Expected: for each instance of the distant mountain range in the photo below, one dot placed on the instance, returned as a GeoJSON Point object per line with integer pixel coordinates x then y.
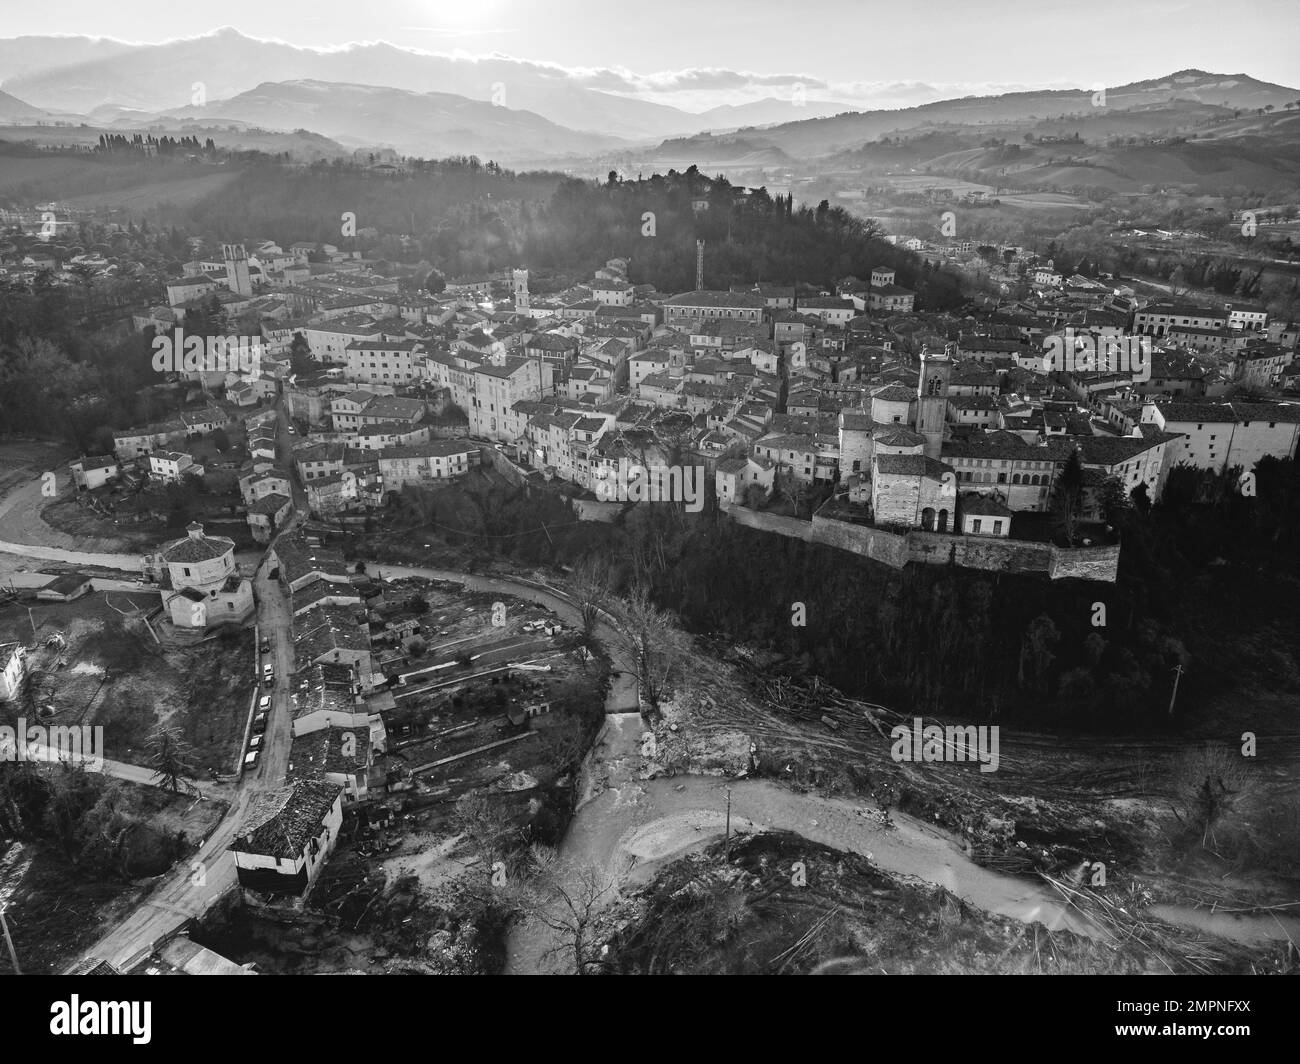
{"type": "Point", "coordinates": [379, 95]}
{"type": "Point", "coordinates": [1195, 89]}
{"type": "Point", "coordinates": [430, 124]}
{"type": "Point", "coordinates": [74, 76]}
{"type": "Point", "coordinates": [15, 111]}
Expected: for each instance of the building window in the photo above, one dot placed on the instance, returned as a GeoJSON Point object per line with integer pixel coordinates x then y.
{"type": "Point", "coordinates": [975, 525]}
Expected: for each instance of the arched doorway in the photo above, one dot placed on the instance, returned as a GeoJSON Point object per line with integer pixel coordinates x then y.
{"type": "Point", "coordinates": [943, 520]}
{"type": "Point", "coordinates": [927, 519]}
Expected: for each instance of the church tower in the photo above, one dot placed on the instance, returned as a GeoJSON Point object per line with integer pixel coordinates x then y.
{"type": "Point", "coordinates": [932, 399]}
{"type": "Point", "coordinates": [238, 279]}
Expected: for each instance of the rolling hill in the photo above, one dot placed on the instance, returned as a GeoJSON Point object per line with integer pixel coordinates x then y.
{"type": "Point", "coordinates": [431, 124]}
{"type": "Point", "coordinates": [15, 110]}
{"type": "Point", "coordinates": [1176, 100]}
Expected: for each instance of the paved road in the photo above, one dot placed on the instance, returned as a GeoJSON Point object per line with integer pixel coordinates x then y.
{"type": "Point", "coordinates": [284, 456]}
{"type": "Point", "coordinates": [185, 893]}
{"type": "Point", "coordinates": [275, 622]}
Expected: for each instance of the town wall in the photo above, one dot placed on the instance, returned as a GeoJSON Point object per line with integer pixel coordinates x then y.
{"type": "Point", "coordinates": [935, 548]}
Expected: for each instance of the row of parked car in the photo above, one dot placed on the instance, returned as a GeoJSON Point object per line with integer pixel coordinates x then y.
{"type": "Point", "coordinates": [263, 713]}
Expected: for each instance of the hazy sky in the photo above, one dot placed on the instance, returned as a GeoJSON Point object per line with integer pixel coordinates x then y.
{"type": "Point", "coordinates": [939, 42]}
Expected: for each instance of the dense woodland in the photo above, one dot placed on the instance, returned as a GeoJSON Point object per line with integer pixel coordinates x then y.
{"type": "Point", "coordinates": [465, 217]}
{"type": "Point", "coordinates": [1208, 579]}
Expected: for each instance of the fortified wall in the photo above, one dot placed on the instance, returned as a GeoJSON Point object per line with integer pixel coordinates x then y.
{"type": "Point", "coordinates": [937, 548]}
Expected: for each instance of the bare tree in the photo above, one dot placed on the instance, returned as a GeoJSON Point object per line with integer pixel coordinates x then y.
{"type": "Point", "coordinates": [567, 899]}
{"type": "Point", "coordinates": [589, 587]}
{"type": "Point", "coordinates": [487, 827]}
{"type": "Point", "coordinates": [651, 645]}
{"type": "Point", "coordinates": [1207, 785]}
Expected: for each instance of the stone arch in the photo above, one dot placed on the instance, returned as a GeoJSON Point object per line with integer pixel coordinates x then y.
{"type": "Point", "coordinates": [927, 519]}
{"type": "Point", "coordinates": [943, 520]}
{"type": "Point", "coordinates": [1015, 478]}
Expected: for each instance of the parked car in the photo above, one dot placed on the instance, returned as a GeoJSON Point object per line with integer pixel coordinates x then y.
{"type": "Point", "coordinates": [264, 704]}
{"type": "Point", "coordinates": [266, 645]}
{"type": "Point", "coordinates": [250, 759]}
{"type": "Point", "coordinates": [259, 723]}
{"type": "Point", "coordinates": [268, 673]}
{"type": "Point", "coordinates": [255, 743]}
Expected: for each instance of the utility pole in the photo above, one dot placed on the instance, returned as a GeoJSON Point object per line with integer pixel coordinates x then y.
{"type": "Point", "coordinates": [728, 835]}
{"type": "Point", "coordinates": [1178, 675]}
{"type": "Point", "coordinates": [4, 924]}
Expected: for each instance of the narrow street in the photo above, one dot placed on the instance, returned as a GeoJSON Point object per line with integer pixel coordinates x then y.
{"type": "Point", "coordinates": [275, 622]}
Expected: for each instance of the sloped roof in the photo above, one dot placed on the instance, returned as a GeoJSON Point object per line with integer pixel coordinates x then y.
{"type": "Point", "coordinates": [916, 465]}
{"type": "Point", "coordinates": [280, 822]}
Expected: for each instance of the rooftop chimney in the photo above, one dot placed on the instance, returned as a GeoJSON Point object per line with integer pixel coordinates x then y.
{"type": "Point", "coordinates": [194, 530]}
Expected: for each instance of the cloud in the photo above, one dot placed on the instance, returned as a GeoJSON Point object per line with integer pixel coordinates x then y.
{"type": "Point", "coordinates": [454, 31]}
{"type": "Point", "coordinates": [689, 88]}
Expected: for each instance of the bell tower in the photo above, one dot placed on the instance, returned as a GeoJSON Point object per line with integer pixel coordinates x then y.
{"type": "Point", "coordinates": [932, 399]}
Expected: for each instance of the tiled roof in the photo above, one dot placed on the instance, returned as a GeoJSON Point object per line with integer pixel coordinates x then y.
{"type": "Point", "coordinates": [200, 549]}
{"type": "Point", "coordinates": [318, 752]}
{"type": "Point", "coordinates": [1112, 450]}
{"type": "Point", "coordinates": [269, 504]}
{"type": "Point", "coordinates": [432, 449]}
{"type": "Point", "coordinates": [1006, 445]}
{"type": "Point", "coordinates": [897, 436]}
{"type": "Point", "coordinates": [974, 505]}
{"type": "Point", "coordinates": [893, 393]}
{"type": "Point", "coordinates": [710, 298]}
{"type": "Point", "coordinates": [280, 822]}
{"type": "Point", "coordinates": [911, 465]}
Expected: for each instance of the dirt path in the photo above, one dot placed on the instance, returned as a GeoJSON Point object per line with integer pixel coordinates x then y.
{"type": "Point", "coordinates": [21, 523]}
{"type": "Point", "coordinates": [634, 826]}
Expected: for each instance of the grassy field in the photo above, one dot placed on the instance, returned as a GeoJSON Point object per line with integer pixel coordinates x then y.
{"type": "Point", "coordinates": [21, 460]}
{"type": "Point", "coordinates": [90, 182]}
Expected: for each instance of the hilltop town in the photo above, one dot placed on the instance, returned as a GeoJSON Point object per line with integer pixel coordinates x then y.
{"type": "Point", "coordinates": [319, 418]}
{"type": "Point", "coordinates": [846, 409]}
